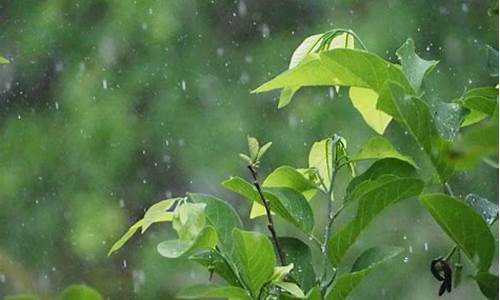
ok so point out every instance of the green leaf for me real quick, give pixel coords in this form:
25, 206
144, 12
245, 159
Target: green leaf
291, 206
3, 60
464, 226
492, 57
220, 215
206, 239
378, 191
414, 67
365, 101
309, 45
414, 116
130, 232
483, 99
188, 220
214, 261
158, 213
292, 288
286, 95
254, 256
285, 202
343, 67
280, 272
263, 150
473, 117
79, 292
364, 264
487, 209
377, 148
299, 254
213, 291
320, 159
475, 144
314, 294
286, 176
488, 284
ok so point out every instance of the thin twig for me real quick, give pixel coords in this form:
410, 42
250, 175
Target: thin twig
270, 223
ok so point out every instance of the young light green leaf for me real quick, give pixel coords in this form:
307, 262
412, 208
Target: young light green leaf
487, 209
464, 226
286, 176
365, 101
263, 150
213, 260
280, 272
245, 158
320, 159
414, 67
473, 117
253, 147
299, 254
206, 239
158, 213
254, 256
309, 45
414, 116
188, 220
80, 292
292, 288
286, 95
377, 148
314, 294
130, 232
339, 67
220, 215
374, 195
364, 264
213, 291
488, 284
22, 297
3, 60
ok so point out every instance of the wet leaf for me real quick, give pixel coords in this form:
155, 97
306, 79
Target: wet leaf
188, 220
377, 148
414, 67
464, 226
364, 264
213, 291
206, 239
487, 209
158, 213
214, 261
254, 255
298, 253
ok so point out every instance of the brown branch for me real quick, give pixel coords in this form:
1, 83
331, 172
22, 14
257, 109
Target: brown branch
270, 223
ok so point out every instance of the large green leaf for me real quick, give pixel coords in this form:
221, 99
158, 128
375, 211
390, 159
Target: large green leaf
363, 265
378, 191
377, 148
206, 239
158, 213
130, 232
285, 176
220, 215
214, 261
464, 226
414, 116
344, 67
285, 202
414, 67
79, 292
213, 291
488, 284
299, 254
254, 256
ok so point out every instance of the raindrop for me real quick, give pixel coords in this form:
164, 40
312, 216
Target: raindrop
406, 259
183, 85
124, 264
410, 249
57, 105
105, 84
265, 31
426, 246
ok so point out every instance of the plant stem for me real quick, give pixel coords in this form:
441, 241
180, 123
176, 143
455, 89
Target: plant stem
270, 223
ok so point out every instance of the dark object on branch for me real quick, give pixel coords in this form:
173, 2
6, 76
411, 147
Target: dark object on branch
441, 270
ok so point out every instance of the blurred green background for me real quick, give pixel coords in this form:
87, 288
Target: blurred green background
110, 106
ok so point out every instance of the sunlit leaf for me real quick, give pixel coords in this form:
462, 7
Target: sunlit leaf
320, 159
158, 213
365, 101
188, 220
206, 239
364, 264
213, 291
414, 67
3, 60
254, 255
464, 226
377, 148
21, 297
130, 232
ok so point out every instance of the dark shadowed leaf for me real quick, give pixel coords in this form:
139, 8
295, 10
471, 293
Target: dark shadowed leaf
213, 260
488, 284
487, 209
299, 254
